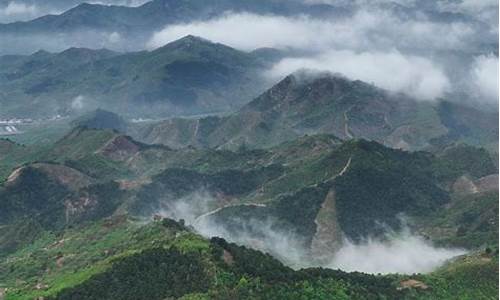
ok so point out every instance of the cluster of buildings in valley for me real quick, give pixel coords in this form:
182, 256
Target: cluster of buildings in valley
10, 126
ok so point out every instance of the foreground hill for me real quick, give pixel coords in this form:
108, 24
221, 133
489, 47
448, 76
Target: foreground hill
79, 207
305, 103
188, 76
118, 258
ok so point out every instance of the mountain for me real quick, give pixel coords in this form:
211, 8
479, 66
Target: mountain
156, 14
286, 183
188, 76
304, 103
96, 190
125, 28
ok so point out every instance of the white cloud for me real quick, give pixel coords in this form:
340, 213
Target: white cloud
129, 3
485, 76
395, 253
248, 31
114, 38
404, 254
78, 102
15, 11
15, 8
391, 70
372, 45
22, 11
366, 29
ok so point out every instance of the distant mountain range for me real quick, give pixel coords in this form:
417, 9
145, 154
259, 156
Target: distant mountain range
127, 28
188, 76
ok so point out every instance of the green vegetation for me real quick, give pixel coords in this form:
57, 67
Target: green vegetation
189, 76
120, 259
68, 226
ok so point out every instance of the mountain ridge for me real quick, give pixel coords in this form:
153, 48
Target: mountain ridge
315, 103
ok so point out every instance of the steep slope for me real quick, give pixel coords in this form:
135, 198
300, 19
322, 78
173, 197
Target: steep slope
188, 76
127, 260
305, 103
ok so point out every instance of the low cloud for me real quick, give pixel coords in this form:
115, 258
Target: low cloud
15, 8
392, 70
374, 29
403, 253
78, 103
19, 11
372, 45
485, 77
260, 235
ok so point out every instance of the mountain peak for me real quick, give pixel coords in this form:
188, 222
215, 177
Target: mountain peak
187, 42
75, 52
306, 85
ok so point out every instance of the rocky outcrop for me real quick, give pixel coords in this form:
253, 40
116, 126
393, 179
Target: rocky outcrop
328, 237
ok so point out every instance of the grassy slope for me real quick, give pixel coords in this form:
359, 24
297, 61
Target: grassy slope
121, 258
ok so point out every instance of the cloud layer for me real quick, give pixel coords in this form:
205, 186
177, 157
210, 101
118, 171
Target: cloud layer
392, 70
399, 53
403, 254
366, 29
485, 76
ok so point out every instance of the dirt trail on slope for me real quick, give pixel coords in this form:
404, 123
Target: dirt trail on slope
346, 167
347, 131
226, 206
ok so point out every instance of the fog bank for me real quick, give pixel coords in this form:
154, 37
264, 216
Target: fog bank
402, 252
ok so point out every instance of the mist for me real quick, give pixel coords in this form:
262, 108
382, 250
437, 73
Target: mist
401, 253
415, 76
427, 49
485, 77
94, 39
396, 252
424, 54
